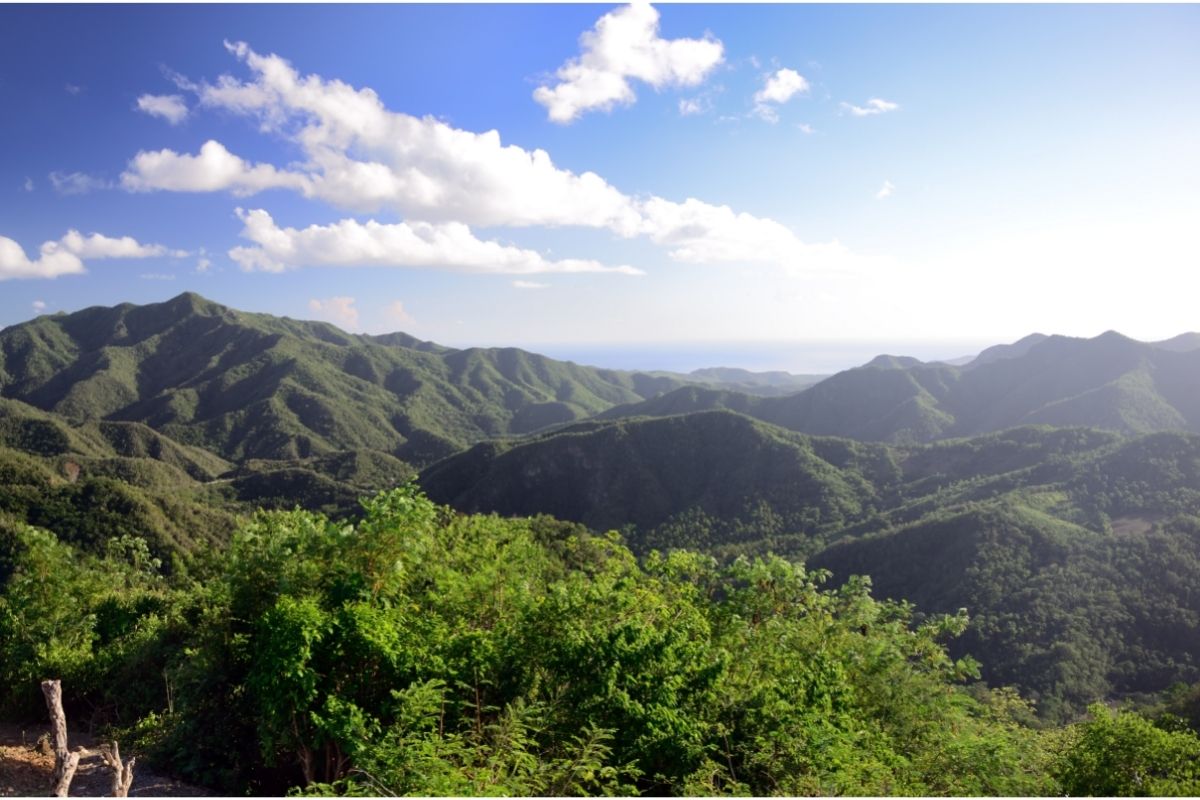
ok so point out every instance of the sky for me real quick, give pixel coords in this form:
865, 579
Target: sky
761, 183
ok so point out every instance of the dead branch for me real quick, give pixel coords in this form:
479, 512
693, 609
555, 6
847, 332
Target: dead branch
65, 762
122, 773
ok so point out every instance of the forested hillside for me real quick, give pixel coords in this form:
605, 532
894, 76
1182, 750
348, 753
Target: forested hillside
1076, 551
254, 386
1110, 382
422, 652
826, 591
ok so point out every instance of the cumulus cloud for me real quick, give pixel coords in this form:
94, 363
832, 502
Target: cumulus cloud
885, 190
700, 233
97, 245
76, 182
39, 306
874, 106
65, 256
625, 44
396, 313
530, 285
349, 243
168, 106
778, 87
213, 169
52, 261
359, 156
203, 265
338, 310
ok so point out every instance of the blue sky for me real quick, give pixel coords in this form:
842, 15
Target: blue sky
586, 176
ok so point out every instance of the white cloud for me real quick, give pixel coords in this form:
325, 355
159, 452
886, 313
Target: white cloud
396, 313
168, 106
700, 233
98, 245
72, 88
28, 185
203, 265
885, 190
65, 256
779, 87
805, 128
691, 106
39, 306
874, 106
349, 243
157, 276
362, 157
418, 166
213, 169
530, 285
625, 44
76, 182
338, 310
52, 261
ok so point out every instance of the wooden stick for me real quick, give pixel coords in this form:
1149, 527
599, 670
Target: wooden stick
65, 762
122, 773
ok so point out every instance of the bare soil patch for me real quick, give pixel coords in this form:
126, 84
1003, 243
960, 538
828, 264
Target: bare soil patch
26, 772
1134, 526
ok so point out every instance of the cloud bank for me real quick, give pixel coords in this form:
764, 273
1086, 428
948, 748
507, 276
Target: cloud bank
361, 157
349, 243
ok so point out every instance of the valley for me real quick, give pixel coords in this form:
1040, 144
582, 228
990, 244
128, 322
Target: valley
1051, 489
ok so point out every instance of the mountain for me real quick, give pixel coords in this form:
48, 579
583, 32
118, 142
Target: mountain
725, 467
1075, 551
245, 385
1182, 343
1000, 351
1109, 382
764, 384
99, 480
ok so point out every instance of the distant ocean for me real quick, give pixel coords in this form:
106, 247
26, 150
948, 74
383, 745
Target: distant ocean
802, 358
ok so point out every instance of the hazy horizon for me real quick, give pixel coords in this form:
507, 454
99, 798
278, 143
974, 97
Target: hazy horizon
799, 356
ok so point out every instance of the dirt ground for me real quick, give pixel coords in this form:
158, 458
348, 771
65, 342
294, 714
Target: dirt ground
26, 772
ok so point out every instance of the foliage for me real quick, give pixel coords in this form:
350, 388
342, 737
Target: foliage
1121, 754
247, 386
419, 651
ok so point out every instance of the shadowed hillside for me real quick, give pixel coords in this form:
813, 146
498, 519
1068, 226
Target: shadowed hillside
1074, 550
1110, 382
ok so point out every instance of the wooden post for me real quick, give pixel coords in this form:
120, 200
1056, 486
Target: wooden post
122, 773
65, 762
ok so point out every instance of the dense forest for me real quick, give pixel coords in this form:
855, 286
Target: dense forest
421, 651
270, 556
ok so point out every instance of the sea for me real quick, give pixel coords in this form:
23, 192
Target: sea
796, 357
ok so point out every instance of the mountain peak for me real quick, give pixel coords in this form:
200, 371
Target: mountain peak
1014, 350
192, 303
885, 361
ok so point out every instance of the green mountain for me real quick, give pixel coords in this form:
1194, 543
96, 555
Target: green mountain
773, 383
1074, 550
247, 385
680, 473
99, 480
1109, 382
